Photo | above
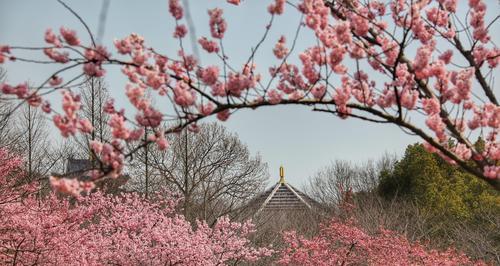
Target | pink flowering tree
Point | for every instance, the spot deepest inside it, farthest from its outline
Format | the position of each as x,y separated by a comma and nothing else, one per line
12,186
118,230
420,65
344,243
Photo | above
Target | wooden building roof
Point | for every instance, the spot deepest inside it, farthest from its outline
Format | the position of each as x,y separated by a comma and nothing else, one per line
282,197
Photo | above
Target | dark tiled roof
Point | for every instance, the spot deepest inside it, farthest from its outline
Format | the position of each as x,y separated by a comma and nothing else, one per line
77,166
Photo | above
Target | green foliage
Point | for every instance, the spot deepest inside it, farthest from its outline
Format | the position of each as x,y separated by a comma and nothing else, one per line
439,188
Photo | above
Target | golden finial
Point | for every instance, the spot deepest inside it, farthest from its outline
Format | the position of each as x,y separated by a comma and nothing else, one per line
282,175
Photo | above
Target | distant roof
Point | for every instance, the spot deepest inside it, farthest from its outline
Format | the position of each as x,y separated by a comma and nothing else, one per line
282,196
77,166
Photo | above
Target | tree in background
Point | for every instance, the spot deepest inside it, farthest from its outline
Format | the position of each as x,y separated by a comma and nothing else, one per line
437,186
24,131
94,95
212,170
6,108
456,207
330,183
13,185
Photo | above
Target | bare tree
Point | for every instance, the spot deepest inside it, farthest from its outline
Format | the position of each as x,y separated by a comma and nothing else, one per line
34,142
329,183
94,95
7,137
212,170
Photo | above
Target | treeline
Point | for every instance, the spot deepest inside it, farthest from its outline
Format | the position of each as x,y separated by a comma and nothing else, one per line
419,195
212,170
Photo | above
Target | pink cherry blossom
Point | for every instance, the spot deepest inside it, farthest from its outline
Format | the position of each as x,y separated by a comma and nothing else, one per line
275,96
224,115
345,243
149,117
318,91
431,106
85,126
208,75
387,98
51,38
123,46
492,172
56,56
209,46
70,186
118,128
277,8
206,109
218,25
69,36
46,107
435,123
180,31
161,141
93,70
234,2
280,50
184,96
175,9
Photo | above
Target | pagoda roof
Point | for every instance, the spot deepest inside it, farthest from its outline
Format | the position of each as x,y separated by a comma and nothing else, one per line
282,197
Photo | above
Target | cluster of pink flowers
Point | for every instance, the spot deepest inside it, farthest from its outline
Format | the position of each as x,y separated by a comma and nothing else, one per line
175,9
209,46
180,31
22,91
345,243
10,173
234,2
52,230
277,8
431,106
462,81
184,95
71,186
342,97
206,109
435,123
217,24
70,122
60,57
239,82
4,50
478,13
280,50
482,54
110,154
274,96
95,58
318,91
209,75
316,12
308,65
70,36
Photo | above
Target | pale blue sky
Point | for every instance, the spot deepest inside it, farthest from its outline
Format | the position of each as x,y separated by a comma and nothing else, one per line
295,137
